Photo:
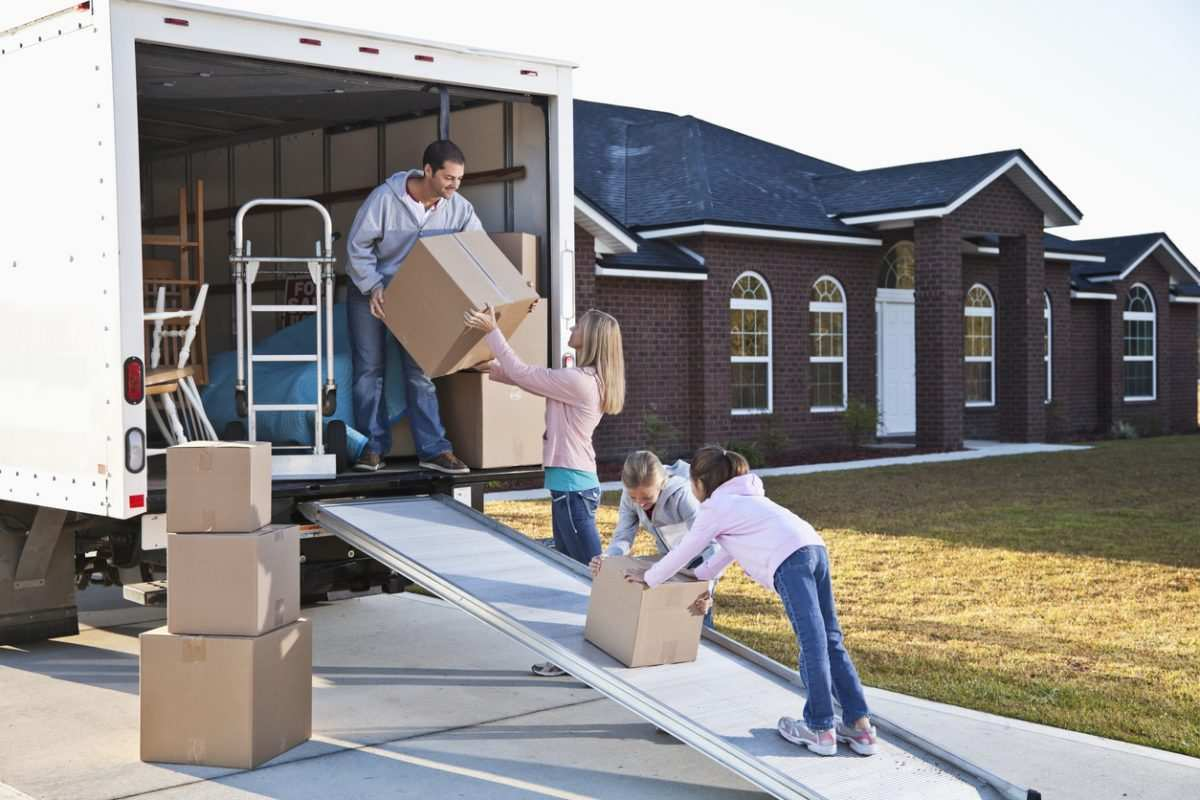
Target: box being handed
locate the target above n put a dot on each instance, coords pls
(643, 627)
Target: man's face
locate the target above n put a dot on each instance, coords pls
(446, 180)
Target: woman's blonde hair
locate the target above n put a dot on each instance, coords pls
(601, 349)
(642, 468)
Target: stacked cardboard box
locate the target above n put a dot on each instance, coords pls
(228, 681)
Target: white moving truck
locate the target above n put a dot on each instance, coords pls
(113, 107)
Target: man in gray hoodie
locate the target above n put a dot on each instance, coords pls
(407, 206)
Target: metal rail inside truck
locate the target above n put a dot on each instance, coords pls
(119, 104)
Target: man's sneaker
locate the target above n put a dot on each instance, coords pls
(447, 462)
(822, 743)
(369, 461)
(547, 669)
(861, 740)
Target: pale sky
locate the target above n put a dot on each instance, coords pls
(1103, 96)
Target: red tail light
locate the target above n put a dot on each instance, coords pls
(424, 58)
(372, 51)
(532, 73)
(135, 381)
(313, 42)
(568, 360)
(183, 23)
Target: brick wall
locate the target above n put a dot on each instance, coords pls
(1080, 402)
(1184, 369)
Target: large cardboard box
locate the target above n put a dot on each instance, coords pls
(643, 627)
(531, 341)
(491, 424)
(225, 701)
(218, 486)
(522, 250)
(233, 584)
(440, 280)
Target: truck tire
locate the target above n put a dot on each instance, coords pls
(338, 443)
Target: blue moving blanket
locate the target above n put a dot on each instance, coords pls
(295, 382)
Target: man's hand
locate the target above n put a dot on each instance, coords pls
(535, 302)
(377, 302)
(484, 320)
(594, 565)
(701, 605)
(636, 576)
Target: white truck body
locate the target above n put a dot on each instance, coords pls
(71, 293)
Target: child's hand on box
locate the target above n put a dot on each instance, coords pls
(594, 565)
(701, 605)
(636, 576)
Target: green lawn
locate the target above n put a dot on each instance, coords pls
(1060, 588)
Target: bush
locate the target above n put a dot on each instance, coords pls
(748, 450)
(772, 439)
(861, 421)
(1124, 430)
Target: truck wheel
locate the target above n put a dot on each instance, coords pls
(337, 443)
(234, 432)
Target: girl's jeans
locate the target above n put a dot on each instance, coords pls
(803, 583)
(573, 520)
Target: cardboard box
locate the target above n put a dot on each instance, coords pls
(440, 280)
(225, 701)
(643, 627)
(531, 340)
(522, 250)
(233, 584)
(402, 440)
(218, 487)
(491, 424)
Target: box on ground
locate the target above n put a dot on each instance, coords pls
(225, 701)
(441, 279)
(491, 424)
(643, 627)
(218, 486)
(233, 584)
(402, 440)
(522, 250)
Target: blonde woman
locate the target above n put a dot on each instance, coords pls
(576, 400)
(659, 500)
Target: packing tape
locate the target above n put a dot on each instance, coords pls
(197, 749)
(195, 651)
(279, 606)
(205, 462)
(208, 519)
(486, 274)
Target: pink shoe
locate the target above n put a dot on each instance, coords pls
(861, 740)
(823, 743)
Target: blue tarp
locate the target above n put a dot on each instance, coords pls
(295, 382)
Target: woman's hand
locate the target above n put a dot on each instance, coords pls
(701, 605)
(484, 320)
(594, 565)
(636, 576)
(485, 366)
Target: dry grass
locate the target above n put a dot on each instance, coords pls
(1062, 588)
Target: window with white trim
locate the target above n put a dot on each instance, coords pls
(750, 345)
(827, 346)
(899, 267)
(1141, 378)
(1048, 346)
(979, 369)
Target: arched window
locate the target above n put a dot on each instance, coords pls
(827, 346)
(750, 351)
(979, 371)
(1141, 372)
(1048, 346)
(899, 267)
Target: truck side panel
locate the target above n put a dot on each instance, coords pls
(62, 411)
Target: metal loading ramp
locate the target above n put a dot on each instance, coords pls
(724, 704)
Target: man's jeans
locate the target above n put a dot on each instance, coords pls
(573, 521)
(804, 585)
(368, 347)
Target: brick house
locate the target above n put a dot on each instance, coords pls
(760, 290)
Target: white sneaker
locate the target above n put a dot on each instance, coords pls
(823, 743)
(861, 740)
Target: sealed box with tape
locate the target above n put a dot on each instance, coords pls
(233, 584)
(225, 701)
(643, 627)
(441, 278)
(218, 487)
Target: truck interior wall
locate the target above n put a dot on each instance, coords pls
(317, 161)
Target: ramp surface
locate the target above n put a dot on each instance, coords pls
(725, 704)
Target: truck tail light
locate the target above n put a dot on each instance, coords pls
(313, 42)
(183, 23)
(135, 383)
(135, 450)
(568, 360)
(427, 59)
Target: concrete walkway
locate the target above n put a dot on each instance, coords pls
(974, 450)
(413, 698)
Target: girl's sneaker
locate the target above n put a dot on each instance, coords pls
(823, 743)
(861, 740)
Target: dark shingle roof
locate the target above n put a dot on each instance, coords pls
(653, 254)
(1119, 253)
(1058, 244)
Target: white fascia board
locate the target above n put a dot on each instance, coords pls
(662, 275)
(615, 240)
(1092, 296)
(1016, 161)
(759, 233)
(1178, 299)
(1058, 255)
(1177, 256)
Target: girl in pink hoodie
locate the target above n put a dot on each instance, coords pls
(782, 552)
(576, 400)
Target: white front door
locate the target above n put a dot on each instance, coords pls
(897, 361)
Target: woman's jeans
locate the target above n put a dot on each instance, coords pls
(573, 520)
(804, 585)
